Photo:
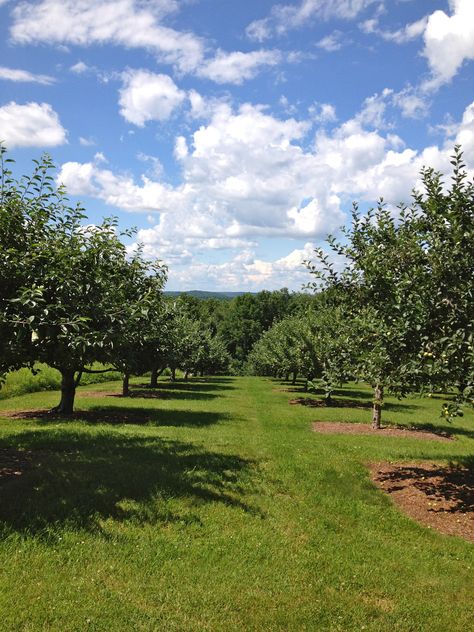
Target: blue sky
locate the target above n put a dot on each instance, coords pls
(235, 135)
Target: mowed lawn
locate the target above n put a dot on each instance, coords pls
(211, 505)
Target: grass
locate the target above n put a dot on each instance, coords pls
(216, 508)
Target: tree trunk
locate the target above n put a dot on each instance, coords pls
(68, 393)
(125, 385)
(186, 375)
(295, 374)
(154, 377)
(377, 407)
(173, 374)
(328, 399)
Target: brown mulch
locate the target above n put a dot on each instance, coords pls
(98, 394)
(13, 463)
(337, 427)
(438, 496)
(121, 416)
(336, 403)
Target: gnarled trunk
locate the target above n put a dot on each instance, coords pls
(377, 407)
(68, 393)
(125, 385)
(154, 377)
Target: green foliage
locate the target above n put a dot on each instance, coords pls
(406, 287)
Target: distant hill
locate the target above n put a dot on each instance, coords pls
(224, 296)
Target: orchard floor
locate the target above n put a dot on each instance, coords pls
(211, 505)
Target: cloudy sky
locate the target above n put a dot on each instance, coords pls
(235, 134)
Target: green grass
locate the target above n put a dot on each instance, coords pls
(218, 509)
(45, 378)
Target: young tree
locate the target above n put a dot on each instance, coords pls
(70, 302)
(406, 284)
(381, 258)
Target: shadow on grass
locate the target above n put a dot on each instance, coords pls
(133, 415)
(76, 480)
(156, 393)
(351, 403)
(196, 385)
(447, 429)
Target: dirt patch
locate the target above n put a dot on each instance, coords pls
(438, 496)
(98, 394)
(336, 427)
(13, 463)
(113, 417)
(335, 403)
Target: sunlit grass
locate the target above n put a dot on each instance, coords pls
(212, 506)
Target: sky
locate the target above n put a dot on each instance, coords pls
(234, 135)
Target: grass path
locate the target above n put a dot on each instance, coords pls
(222, 512)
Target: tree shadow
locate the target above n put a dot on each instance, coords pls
(196, 385)
(128, 415)
(152, 393)
(454, 484)
(76, 480)
(350, 403)
(448, 429)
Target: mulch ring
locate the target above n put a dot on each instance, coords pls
(438, 496)
(114, 417)
(335, 403)
(13, 463)
(337, 427)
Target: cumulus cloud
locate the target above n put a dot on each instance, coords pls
(128, 23)
(284, 17)
(30, 125)
(146, 96)
(247, 174)
(244, 269)
(237, 66)
(15, 74)
(449, 41)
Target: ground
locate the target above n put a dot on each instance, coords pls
(213, 506)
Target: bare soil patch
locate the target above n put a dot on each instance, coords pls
(13, 463)
(98, 394)
(438, 496)
(337, 427)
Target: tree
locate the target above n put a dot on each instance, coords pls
(73, 298)
(406, 285)
(381, 258)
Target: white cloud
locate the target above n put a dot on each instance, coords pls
(322, 112)
(79, 68)
(284, 17)
(30, 125)
(406, 34)
(411, 102)
(449, 41)
(245, 269)
(237, 66)
(146, 96)
(247, 174)
(15, 74)
(127, 23)
(331, 42)
(87, 142)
